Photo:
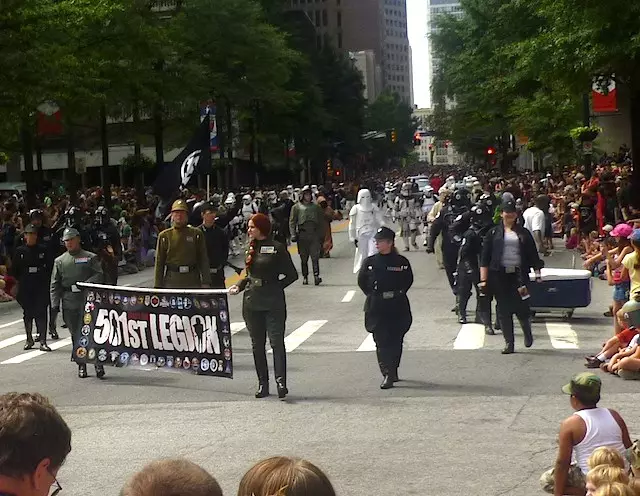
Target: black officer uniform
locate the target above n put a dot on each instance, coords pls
(264, 308)
(217, 243)
(474, 226)
(507, 283)
(385, 280)
(444, 224)
(105, 241)
(51, 244)
(32, 267)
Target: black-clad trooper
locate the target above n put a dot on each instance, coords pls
(385, 279)
(456, 205)
(105, 241)
(473, 225)
(32, 268)
(217, 243)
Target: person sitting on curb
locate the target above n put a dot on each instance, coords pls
(589, 428)
(614, 345)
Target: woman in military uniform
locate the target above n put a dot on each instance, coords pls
(385, 279)
(264, 308)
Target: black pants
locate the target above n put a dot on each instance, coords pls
(388, 351)
(217, 279)
(309, 246)
(450, 261)
(509, 303)
(36, 311)
(73, 319)
(263, 323)
(467, 279)
(53, 317)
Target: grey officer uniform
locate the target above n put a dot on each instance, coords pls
(68, 270)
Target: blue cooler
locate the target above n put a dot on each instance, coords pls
(561, 290)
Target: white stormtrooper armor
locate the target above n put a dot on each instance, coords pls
(450, 183)
(249, 207)
(364, 220)
(407, 213)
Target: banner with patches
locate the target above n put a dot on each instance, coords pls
(166, 329)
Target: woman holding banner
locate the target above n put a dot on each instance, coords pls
(264, 308)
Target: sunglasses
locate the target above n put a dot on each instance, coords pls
(55, 489)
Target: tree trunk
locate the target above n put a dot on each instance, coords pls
(635, 140)
(158, 136)
(105, 178)
(234, 166)
(137, 153)
(72, 177)
(40, 174)
(258, 128)
(27, 153)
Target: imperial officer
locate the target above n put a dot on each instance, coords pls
(70, 268)
(306, 225)
(217, 243)
(32, 267)
(385, 279)
(181, 256)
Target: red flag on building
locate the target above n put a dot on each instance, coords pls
(604, 95)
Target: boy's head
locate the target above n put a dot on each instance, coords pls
(605, 474)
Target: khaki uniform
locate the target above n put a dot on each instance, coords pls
(181, 259)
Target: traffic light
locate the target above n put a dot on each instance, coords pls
(416, 139)
(491, 151)
(329, 168)
(394, 136)
(431, 147)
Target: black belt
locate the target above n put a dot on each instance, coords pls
(182, 269)
(256, 281)
(389, 295)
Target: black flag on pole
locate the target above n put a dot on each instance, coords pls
(194, 159)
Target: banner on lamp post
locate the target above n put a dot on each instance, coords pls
(604, 94)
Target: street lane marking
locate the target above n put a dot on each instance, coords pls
(9, 324)
(470, 337)
(562, 336)
(12, 340)
(36, 353)
(349, 296)
(368, 344)
(236, 327)
(301, 334)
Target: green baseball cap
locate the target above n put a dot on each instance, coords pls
(585, 384)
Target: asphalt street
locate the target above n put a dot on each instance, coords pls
(464, 420)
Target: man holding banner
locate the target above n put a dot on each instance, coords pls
(181, 256)
(70, 268)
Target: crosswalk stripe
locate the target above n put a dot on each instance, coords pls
(562, 336)
(301, 334)
(9, 324)
(12, 340)
(36, 353)
(349, 296)
(236, 327)
(470, 337)
(368, 344)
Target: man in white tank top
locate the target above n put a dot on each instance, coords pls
(580, 434)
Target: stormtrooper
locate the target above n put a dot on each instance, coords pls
(428, 201)
(450, 183)
(364, 220)
(390, 198)
(249, 207)
(407, 213)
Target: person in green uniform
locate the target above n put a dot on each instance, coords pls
(70, 268)
(181, 254)
(306, 224)
(264, 308)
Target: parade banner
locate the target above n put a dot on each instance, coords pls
(186, 330)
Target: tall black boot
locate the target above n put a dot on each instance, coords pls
(28, 328)
(525, 323)
(506, 322)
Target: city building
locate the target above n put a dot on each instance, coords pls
(436, 9)
(378, 26)
(365, 62)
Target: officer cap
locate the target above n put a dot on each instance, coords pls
(31, 229)
(70, 233)
(179, 206)
(207, 207)
(509, 207)
(36, 212)
(384, 233)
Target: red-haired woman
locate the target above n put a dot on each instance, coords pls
(264, 308)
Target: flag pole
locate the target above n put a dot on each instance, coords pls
(208, 187)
